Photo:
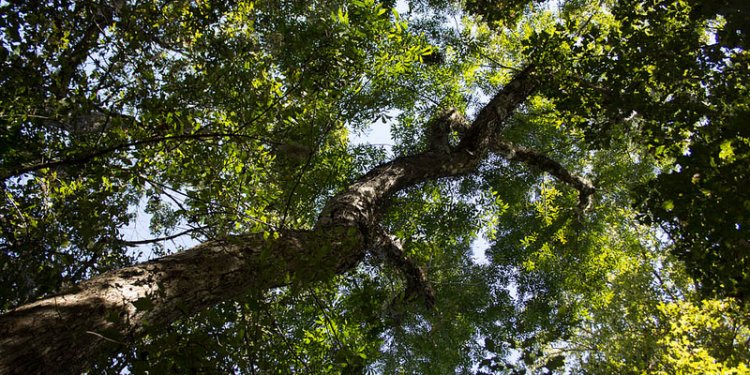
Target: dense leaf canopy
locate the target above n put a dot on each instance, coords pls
(206, 119)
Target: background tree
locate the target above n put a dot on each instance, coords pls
(597, 146)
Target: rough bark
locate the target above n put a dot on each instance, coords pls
(61, 334)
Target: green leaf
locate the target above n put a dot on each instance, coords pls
(727, 151)
(143, 304)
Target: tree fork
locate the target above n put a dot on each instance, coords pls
(63, 333)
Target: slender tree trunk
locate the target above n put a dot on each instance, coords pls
(63, 333)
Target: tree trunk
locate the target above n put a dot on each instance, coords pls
(63, 333)
(60, 333)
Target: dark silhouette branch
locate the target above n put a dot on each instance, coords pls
(83, 159)
(88, 157)
(159, 239)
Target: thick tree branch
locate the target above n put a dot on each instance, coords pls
(440, 128)
(390, 250)
(54, 335)
(549, 165)
(119, 305)
(358, 204)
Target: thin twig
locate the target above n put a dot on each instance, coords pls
(105, 338)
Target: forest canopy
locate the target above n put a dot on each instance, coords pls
(565, 190)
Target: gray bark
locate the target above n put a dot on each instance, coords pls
(63, 333)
